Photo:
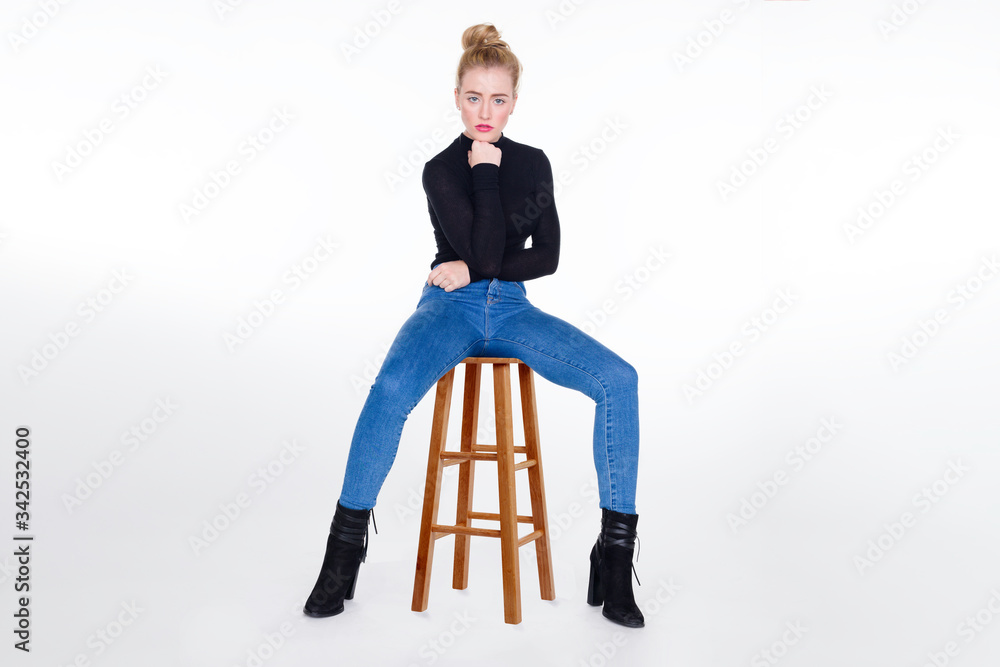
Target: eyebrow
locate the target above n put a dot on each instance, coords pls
(476, 92)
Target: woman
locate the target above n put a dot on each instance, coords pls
(486, 196)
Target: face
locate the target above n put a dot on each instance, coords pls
(486, 99)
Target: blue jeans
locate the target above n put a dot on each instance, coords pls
(493, 318)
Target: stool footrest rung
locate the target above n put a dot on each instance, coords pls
(454, 458)
(518, 449)
(440, 531)
(529, 537)
(490, 516)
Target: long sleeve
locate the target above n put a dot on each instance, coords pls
(542, 258)
(473, 227)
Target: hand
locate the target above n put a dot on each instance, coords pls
(484, 151)
(450, 276)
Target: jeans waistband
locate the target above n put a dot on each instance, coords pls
(487, 286)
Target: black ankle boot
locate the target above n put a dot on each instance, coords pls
(611, 569)
(346, 548)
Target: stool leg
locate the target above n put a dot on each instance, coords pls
(536, 482)
(508, 494)
(466, 474)
(432, 492)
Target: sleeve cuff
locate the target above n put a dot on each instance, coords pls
(485, 176)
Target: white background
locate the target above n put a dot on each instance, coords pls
(714, 592)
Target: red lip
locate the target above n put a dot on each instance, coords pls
(484, 128)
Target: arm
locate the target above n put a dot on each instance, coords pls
(474, 227)
(542, 258)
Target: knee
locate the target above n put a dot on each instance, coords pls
(625, 376)
(391, 393)
(616, 378)
(626, 373)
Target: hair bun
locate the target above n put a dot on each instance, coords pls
(482, 35)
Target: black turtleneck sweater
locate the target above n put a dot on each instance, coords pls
(484, 214)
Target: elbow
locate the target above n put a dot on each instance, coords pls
(551, 262)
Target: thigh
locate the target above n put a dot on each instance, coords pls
(561, 353)
(435, 337)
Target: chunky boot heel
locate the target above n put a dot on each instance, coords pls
(611, 569)
(595, 591)
(346, 549)
(350, 591)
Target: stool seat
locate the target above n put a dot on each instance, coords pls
(502, 453)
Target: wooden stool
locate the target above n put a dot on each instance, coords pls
(503, 454)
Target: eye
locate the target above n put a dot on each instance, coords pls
(500, 100)
(473, 98)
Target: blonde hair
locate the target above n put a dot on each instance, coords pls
(484, 48)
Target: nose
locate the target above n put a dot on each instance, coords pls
(484, 112)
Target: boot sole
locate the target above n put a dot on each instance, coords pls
(627, 625)
(321, 614)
